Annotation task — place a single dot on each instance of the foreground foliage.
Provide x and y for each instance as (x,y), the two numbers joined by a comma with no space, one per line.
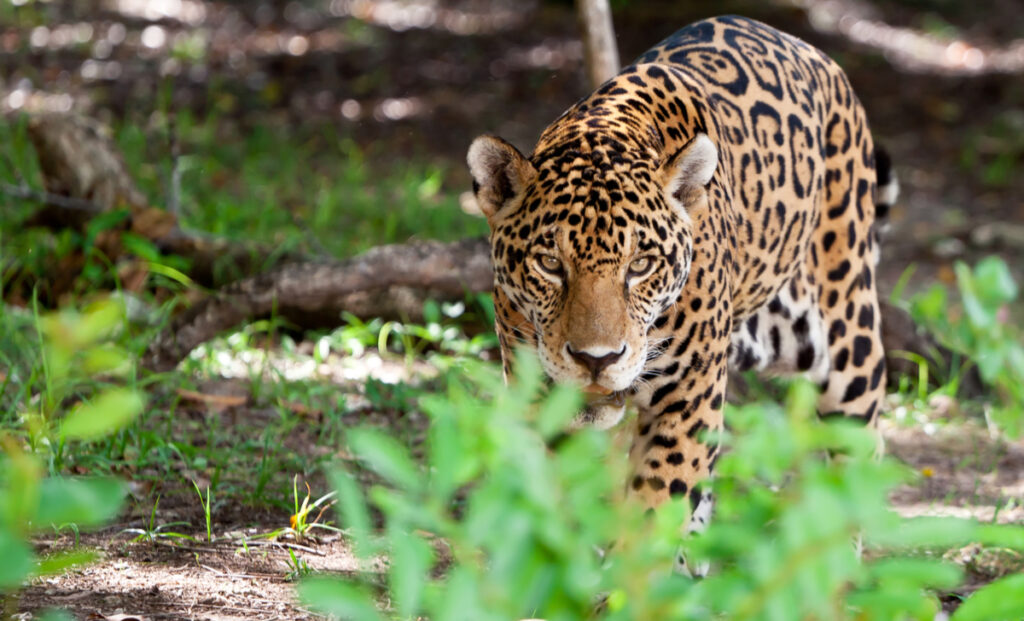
(498,525)
(75,352)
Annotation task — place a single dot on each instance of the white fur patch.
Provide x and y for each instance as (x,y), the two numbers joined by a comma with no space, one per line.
(755,349)
(484,157)
(888,193)
(699,162)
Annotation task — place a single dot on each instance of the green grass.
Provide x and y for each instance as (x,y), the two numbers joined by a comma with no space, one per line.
(309,188)
(246,457)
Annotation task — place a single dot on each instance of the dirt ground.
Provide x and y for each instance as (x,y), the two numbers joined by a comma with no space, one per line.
(510,67)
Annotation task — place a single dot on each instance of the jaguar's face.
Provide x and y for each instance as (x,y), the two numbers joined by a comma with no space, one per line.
(590,249)
(592,291)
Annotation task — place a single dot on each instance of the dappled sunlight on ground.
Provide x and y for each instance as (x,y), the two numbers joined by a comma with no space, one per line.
(962,470)
(909,48)
(339,369)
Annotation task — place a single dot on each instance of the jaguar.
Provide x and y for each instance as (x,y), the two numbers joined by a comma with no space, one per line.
(714,206)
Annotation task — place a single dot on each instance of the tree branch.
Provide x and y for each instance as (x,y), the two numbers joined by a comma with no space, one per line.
(46,198)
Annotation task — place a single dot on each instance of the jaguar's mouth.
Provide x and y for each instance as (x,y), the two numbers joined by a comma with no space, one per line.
(596,395)
(601,411)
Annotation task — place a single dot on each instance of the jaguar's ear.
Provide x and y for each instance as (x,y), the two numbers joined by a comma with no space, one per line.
(500,174)
(688,171)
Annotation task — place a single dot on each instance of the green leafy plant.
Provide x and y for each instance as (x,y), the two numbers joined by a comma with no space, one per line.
(70,385)
(790,553)
(980,326)
(492,504)
(497,524)
(297,566)
(71,405)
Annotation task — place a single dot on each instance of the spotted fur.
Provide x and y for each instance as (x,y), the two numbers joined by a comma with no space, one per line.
(713,205)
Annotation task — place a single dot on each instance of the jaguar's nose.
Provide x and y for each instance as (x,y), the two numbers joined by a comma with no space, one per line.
(595,360)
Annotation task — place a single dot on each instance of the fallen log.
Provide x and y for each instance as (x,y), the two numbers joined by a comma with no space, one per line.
(78,159)
(318,289)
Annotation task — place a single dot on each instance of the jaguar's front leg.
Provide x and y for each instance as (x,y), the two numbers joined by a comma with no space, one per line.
(677,439)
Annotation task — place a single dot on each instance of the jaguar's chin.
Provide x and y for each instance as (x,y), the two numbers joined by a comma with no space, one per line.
(601,411)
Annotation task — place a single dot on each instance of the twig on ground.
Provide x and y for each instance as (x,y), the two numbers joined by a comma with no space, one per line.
(47,198)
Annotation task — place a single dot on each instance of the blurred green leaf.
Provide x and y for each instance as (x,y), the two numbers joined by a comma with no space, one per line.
(62,561)
(105,358)
(385,456)
(338,598)
(932,305)
(85,502)
(994,281)
(410,560)
(18,560)
(930,531)
(431,312)
(108,412)
(70,331)
(1002,600)
(1001,536)
(451,462)
(916,571)
(352,508)
(558,409)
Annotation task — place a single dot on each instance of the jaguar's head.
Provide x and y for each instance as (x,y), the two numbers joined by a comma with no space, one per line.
(591,242)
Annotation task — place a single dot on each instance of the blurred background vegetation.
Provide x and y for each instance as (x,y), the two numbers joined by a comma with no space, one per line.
(334,125)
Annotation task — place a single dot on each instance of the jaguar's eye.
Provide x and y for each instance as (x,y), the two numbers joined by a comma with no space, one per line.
(640,266)
(550,264)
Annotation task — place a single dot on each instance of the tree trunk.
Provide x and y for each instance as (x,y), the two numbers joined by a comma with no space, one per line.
(601,54)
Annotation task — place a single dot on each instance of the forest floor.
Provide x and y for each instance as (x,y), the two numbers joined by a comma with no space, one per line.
(956,133)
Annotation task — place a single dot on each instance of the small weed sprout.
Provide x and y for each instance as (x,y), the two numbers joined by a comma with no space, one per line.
(300,526)
(297,567)
(154,532)
(207,505)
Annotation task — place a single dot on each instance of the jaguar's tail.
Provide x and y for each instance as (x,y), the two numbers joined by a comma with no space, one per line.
(888,185)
